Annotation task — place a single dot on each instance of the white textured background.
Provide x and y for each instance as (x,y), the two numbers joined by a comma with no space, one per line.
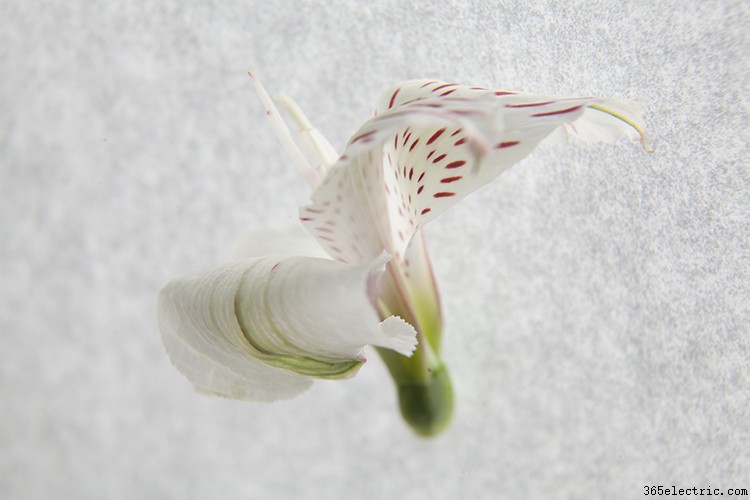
(596,297)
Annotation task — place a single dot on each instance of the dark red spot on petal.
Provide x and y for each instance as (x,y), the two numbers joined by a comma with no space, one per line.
(456,164)
(431,153)
(435,136)
(428,104)
(363,136)
(463,140)
(413,145)
(426,84)
(450,179)
(447,92)
(529,104)
(443,194)
(411,173)
(503,92)
(438,158)
(445,85)
(393,98)
(425,211)
(419,190)
(421,176)
(458,131)
(560,112)
(501,145)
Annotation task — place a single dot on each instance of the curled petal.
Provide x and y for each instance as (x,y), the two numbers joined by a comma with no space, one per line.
(256,329)
(610,121)
(430,145)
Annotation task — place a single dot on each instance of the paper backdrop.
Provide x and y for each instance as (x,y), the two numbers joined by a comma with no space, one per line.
(595,297)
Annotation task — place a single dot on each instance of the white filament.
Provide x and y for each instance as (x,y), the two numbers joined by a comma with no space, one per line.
(319,150)
(310,174)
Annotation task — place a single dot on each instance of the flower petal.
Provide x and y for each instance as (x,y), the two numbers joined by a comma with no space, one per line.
(286,239)
(254,329)
(220,370)
(413,90)
(408,289)
(610,121)
(432,144)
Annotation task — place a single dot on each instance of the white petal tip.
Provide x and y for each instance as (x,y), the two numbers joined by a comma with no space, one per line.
(399,335)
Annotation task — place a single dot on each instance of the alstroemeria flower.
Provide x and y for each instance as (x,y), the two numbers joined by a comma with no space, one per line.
(261,328)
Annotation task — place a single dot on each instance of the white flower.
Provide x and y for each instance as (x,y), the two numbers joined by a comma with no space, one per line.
(260,328)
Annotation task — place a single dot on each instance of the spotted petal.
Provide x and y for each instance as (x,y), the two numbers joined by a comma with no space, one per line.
(258,328)
(431,144)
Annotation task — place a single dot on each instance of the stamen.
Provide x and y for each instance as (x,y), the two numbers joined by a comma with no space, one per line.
(284,135)
(313,142)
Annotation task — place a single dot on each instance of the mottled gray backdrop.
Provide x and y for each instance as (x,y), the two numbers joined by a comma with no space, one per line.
(596,297)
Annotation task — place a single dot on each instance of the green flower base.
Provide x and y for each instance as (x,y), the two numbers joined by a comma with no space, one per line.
(427,406)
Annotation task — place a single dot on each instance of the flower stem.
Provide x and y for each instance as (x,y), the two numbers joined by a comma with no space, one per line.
(425,393)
